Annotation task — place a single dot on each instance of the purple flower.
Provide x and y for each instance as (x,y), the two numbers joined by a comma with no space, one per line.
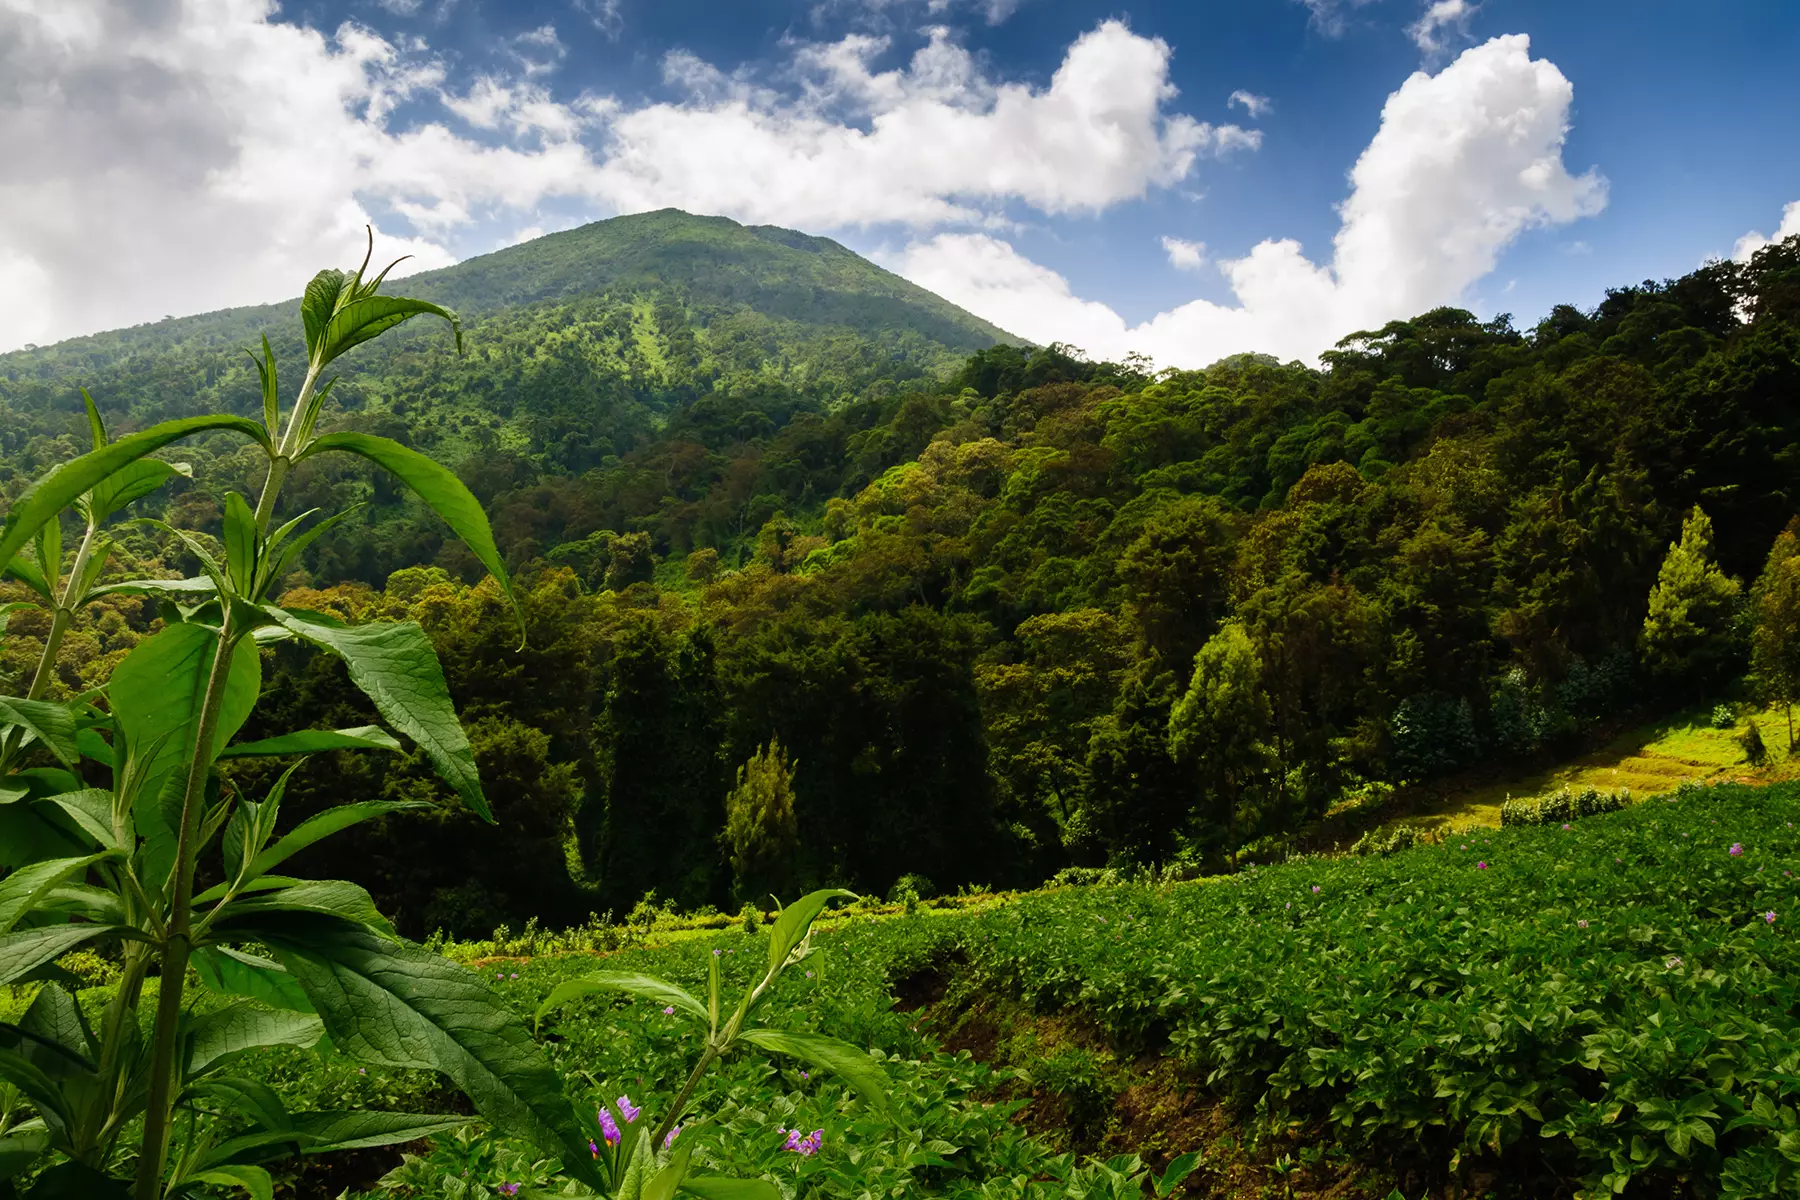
(803,1145)
(593,1148)
(715,954)
(514,975)
(669,1138)
(1567,826)
(1481,866)
(809,974)
(804,1075)
(669,1011)
(509,1189)
(628,1109)
(1769,916)
(1737,849)
(609,1128)
(1315,889)
(1582,924)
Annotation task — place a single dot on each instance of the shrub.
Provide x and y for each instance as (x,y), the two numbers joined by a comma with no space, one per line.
(1723,716)
(1562,806)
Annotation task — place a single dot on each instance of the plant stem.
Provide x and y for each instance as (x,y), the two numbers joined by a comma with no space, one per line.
(687,1093)
(64,616)
(178,946)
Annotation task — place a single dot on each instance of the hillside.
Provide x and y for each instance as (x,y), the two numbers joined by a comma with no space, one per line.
(581,343)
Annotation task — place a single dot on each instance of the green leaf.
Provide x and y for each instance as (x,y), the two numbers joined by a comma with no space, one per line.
(326,897)
(77,1181)
(132,481)
(402,1006)
(157,691)
(438,487)
(853,1066)
(50,723)
(19,1152)
(24,951)
(27,573)
(216,1036)
(65,484)
(795,921)
(370,316)
(719,1187)
(96,427)
(271,395)
(254,1180)
(240,545)
(319,302)
(11,607)
(396,667)
(313,741)
(90,808)
(361,1130)
(662,1185)
(199,585)
(36,1085)
(648,986)
(20,890)
(331,821)
(1177,1170)
(230,972)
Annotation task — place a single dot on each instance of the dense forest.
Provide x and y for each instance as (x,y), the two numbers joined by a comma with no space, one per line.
(828,582)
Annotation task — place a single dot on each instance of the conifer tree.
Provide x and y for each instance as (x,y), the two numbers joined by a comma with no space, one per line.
(1688,633)
(761,831)
(1775,638)
(1217,727)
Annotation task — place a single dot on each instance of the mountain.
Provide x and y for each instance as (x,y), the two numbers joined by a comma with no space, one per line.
(580,345)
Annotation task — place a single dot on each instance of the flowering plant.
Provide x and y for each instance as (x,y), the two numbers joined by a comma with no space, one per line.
(645,1162)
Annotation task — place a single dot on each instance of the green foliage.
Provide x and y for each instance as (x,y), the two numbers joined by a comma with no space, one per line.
(1756,753)
(1775,634)
(1688,632)
(761,833)
(1562,806)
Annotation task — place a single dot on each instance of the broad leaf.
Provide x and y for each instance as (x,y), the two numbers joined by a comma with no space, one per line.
(65,484)
(24,951)
(842,1059)
(328,1132)
(11,607)
(240,544)
(131,482)
(52,724)
(20,890)
(35,1083)
(157,691)
(77,1181)
(404,1007)
(92,809)
(796,920)
(325,897)
(331,821)
(370,316)
(233,973)
(648,986)
(271,394)
(56,1023)
(396,667)
(718,1187)
(254,1180)
(27,573)
(216,1036)
(438,487)
(19,1152)
(313,741)
(199,585)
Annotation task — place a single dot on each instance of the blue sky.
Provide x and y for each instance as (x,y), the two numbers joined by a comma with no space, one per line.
(1035,160)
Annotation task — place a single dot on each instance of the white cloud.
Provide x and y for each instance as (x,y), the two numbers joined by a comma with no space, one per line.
(193,154)
(1189,256)
(1330,17)
(1751,242)
(942,144)
(1443,23)
(605,14)
(1464,161)
(1252,103)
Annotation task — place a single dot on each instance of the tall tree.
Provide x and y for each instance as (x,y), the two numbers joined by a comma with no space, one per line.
(1775,638)
(761,833)
(1218,727)
(1688,633)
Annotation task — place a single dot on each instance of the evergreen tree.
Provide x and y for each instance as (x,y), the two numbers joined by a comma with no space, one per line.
(1775,638)
(1217,728)
(1688,633)
(761,832)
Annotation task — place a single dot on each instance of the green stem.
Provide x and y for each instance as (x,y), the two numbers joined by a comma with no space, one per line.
(687,1093)
(178,945)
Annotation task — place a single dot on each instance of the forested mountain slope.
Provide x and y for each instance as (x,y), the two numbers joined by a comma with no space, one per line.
(1039,610)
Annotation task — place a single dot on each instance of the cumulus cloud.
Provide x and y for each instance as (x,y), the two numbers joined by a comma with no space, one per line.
(942,143)
(192,154)
(1464,161)
(1751,242)
(1189,256)
(1443,23)
(1252,103)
